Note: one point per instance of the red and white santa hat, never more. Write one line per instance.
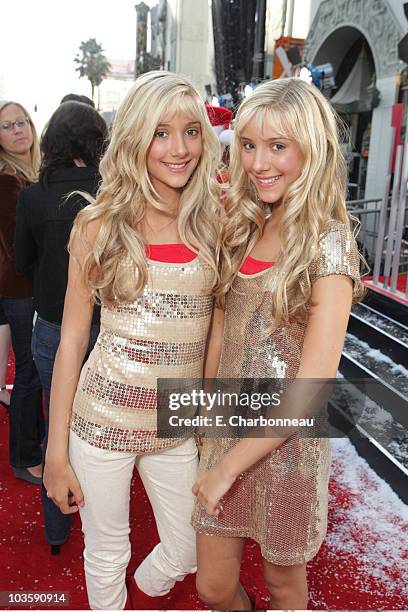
(220, 119)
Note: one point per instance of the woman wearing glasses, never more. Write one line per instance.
(19, 160)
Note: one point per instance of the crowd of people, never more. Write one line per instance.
(139, 256)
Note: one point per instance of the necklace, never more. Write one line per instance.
(156, 232)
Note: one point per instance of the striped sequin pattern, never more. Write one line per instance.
(162, 334)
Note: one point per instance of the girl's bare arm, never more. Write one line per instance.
(59, 478)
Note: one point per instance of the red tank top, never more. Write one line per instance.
(170, 253)
(253, 266)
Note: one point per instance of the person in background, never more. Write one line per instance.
(5, 342)
(72, 145)
(78, 98)
(19, 161)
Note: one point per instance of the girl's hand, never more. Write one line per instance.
(63, 486)
(211, 486)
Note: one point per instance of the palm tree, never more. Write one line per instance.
(92, 64)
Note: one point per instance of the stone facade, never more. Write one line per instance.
(335, 23)
(182, 35)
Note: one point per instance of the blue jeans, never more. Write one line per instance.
(46, 339)
(26, 415)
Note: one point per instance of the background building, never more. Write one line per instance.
(360, 39)
(245, 35)
(234, 28)
(284, 18)
(113, 89)
(182, 40)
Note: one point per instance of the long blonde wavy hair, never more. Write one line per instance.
(300, 112)
(126, 188)
(8, 161)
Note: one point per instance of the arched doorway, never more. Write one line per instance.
(336, 26)
(353, 97)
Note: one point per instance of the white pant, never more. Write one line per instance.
(105, 478)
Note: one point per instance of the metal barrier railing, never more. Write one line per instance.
(391, 229)
(368, 213)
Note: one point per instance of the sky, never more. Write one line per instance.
(40, 38)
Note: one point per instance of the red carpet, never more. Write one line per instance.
(362, 565)
(386, 290)
(401, 281)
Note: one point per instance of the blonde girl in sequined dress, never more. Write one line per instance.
(147, 250)
(289, 275)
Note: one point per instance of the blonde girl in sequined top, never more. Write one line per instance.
(289, 275)
(147, 250)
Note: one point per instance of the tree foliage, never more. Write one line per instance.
(92, 63)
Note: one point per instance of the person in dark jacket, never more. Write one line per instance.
(71, 146)
(19, 161)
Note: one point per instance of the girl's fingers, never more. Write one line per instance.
(202, 501)
(77, 495)
(63, 505)
(70, 510)
(209, 507)
(72, 501)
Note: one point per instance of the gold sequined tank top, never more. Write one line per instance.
(162, 334)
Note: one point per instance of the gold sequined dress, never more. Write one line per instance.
(162, 334)
(281, 501)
